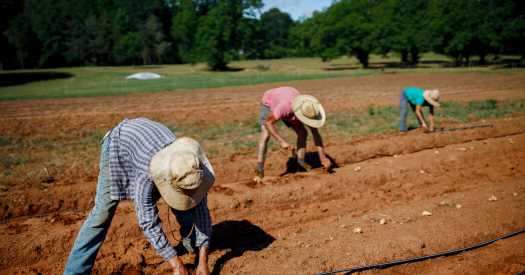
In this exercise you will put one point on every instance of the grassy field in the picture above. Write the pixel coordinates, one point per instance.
(106, 81)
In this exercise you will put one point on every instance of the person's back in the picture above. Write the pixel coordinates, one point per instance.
(279, 100)
(133, 144)
(414, 95)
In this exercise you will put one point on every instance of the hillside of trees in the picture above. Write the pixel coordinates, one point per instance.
(57, 33)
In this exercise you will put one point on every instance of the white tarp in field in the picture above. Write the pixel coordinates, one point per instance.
(143, 76)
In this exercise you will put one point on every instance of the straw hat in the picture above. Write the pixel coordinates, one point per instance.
(309, 110)
(182, 173)
(432, 97)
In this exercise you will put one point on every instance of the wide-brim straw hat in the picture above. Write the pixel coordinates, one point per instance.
(182, 173)
(309, 110)
(432, 97)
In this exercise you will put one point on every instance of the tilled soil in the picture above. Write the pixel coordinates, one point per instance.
(472, 183)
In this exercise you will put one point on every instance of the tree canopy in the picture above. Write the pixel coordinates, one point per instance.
(53, 33)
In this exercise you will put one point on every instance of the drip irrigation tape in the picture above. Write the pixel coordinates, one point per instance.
(421, 258)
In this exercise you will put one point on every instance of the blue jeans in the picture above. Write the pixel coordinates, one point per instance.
(403, 111)
(95, 227)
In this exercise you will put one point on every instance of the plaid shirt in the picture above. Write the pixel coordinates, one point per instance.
(132, 145)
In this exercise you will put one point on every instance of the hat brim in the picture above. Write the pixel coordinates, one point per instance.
(315, 123)
(175, 197)
(428, 99)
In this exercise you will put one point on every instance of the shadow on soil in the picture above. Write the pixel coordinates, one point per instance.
(12, 79)
(237, 237)
(312, 160)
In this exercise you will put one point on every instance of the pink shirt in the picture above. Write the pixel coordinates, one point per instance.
(280, 102)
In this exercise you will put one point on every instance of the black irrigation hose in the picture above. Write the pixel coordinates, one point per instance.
(421, 258)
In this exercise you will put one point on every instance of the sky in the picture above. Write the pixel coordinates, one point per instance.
(297, 8)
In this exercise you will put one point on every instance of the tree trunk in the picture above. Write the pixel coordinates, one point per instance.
(404, 57)
(363, 57)
(414, 56)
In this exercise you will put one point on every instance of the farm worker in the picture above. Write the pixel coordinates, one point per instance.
(417, 98)
(141, 160)
(296, 111)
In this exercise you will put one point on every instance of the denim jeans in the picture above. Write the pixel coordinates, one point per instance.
(403, 111)
(95, 227)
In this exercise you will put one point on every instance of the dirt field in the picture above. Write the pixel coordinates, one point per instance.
(297, 223)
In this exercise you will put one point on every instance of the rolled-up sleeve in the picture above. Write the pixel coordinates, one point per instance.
(148, 217)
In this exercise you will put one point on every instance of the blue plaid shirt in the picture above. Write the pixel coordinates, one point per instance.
(132, 145)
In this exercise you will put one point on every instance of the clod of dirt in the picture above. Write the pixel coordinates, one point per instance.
(421, 171)
(463, 149)
(426, 213)
(357, 230)
(235, 205)
(382, 221)
(357, 169)
(458, 206)
(436, 152)
(257, 179)
(515, 194)
(493, 198)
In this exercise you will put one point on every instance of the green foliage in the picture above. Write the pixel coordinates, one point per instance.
(346, 29)
(183, 28)
(53, 33)
(276, 27)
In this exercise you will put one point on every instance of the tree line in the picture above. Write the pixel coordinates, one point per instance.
(54, 33)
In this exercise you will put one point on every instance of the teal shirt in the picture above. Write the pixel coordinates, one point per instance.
(414, 95)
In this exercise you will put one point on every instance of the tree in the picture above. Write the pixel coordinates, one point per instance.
(152, 41)
(218, 34)
(21, 36)
(88, 41)
(276, 26)
(347, 29)
(183, 29)
(402, 26)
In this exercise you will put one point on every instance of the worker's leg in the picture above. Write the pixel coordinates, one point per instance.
(93, 231)
(302, 134)
(263, 141)
(403, 112)
(187, 231)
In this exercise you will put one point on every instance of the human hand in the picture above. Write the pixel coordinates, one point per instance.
(202, 269)
(287, 146)
(178, 266)
(326, 163)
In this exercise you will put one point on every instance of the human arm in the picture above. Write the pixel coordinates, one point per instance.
(431, 118)
(270, 125)
(318, 141)
(202, 268)
(146, 196)
(420, 117)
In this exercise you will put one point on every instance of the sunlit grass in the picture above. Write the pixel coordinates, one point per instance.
(107, 81)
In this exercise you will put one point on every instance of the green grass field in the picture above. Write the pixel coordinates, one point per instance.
(106, 81)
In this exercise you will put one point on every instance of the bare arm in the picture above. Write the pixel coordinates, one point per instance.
(431, 117)
(420, 117)
(202, 268)
(270, 125)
